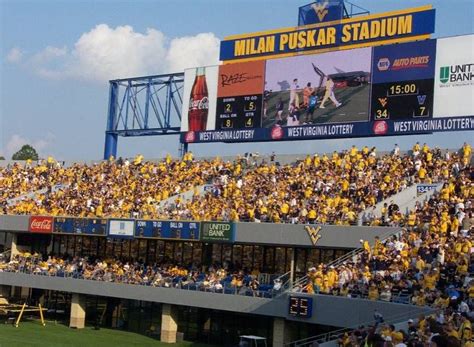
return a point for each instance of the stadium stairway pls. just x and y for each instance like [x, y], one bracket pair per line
[187, 195]
[406, 200]
[348, 257]
[29, 195]
[332, 339]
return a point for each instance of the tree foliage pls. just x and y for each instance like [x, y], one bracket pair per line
[26, 152]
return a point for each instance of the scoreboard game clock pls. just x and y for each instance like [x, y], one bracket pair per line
[402, 100]
[239, 112]
[301, 306]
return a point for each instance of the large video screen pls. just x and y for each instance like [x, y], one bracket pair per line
[386, 90]
[324, 88]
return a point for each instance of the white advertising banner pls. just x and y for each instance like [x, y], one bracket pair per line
[454, 77]
[121, 228]
[199, 99]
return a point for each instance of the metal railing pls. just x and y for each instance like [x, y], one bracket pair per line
[165, 282]
[337, 334]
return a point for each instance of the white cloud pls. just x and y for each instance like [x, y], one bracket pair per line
[192, 51]
[105, 53]
[14, 55]
[17, 141]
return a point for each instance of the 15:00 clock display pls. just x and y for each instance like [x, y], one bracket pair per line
[402, 100]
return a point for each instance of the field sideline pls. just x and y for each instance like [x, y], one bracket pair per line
[33, 334]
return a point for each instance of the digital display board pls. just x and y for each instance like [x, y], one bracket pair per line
[403, 80]
[240, 95]
[300, 306]
[399, 89]
[87, 226]
[121, 228]
[168, 230]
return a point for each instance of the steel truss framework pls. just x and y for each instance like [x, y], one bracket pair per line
[143, 106]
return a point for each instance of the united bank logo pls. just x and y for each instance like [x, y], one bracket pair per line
[457, 75]
[444, 74]
[321, 9]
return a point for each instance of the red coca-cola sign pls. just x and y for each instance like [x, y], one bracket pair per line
[380, 127]
[190, 137]
[41, 224]
[276, 133]
[198, 102]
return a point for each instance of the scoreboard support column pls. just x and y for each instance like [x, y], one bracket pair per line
[280, 332]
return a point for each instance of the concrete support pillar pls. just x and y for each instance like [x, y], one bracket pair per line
[5, 291]
[169, 323]
[292, 267]
[78, 312]
[14, 248]
[280, 335]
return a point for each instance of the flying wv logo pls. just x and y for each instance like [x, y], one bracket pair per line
[321, 9]
[313, 233]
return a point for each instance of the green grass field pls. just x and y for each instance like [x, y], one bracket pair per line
[57, 335]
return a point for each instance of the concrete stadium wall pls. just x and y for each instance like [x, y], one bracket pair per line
[296, 234]
[327, 310]
[347, 237]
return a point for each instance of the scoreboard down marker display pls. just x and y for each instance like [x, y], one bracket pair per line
[386, 79]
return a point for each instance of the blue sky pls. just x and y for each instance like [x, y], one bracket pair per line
[56, 58]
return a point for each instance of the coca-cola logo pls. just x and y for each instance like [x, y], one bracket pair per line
[199, 104]
[276, 132]
[380, 127]
[190, 137]
[39, 224]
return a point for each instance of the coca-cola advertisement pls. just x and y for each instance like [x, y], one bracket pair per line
[41, 224]
[199, 99]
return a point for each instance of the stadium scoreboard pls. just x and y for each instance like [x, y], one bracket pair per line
[306, 82]
[300, 306]
[167, 230]
[87, 226]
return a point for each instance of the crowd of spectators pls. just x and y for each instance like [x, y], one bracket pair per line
[440, 330]
[218, 278]
[325, 189]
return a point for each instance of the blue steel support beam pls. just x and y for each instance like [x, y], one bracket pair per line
[143, 106]
[111, 139]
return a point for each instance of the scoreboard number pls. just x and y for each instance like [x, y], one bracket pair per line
[227, 123]
[301, 306]
[250, 106]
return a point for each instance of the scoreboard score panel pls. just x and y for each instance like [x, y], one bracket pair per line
[239, 112]
[401, 100]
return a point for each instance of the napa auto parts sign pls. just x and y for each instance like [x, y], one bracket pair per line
[40, 224]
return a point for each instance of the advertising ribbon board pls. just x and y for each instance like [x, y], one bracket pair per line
[217, 232]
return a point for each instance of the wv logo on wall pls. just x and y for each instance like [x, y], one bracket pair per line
[320, 11]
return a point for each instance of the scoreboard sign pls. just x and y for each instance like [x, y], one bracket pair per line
[240, 95]
[402, 81]
[399, 89]
[86, 226]
[167, 230]
[301, 306]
